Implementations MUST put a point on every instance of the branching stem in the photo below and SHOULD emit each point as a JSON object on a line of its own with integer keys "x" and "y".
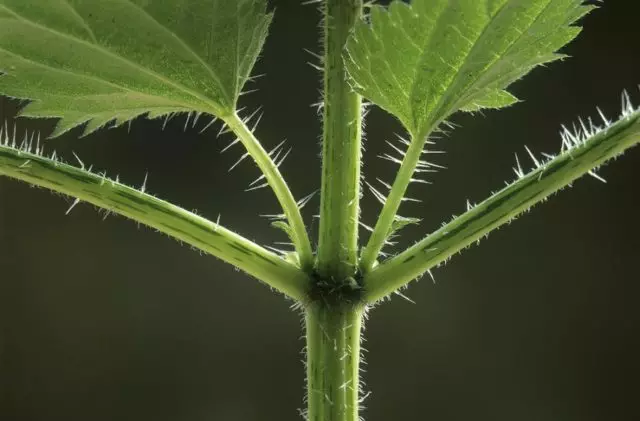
{"x": 576, "y": 160}
{"x": 167, "y": 218}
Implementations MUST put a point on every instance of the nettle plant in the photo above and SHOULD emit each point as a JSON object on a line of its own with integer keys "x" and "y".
{"x": 102, "y": 63}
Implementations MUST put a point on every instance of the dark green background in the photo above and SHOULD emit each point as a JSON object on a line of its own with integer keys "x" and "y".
{"x": 104, "y": 320}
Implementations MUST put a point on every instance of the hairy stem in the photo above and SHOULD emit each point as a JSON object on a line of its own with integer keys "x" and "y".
{"x": 339, "y": 208}
{"x": 146, "y": 209}
{"x": 394, "y": 200}
{"x": 333, "y": 359}
{"x": 281, "y": 189}
{"x": 579, "y": 156}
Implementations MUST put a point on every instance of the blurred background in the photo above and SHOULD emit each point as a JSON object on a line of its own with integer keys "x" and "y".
{"x": 104, "y": 320}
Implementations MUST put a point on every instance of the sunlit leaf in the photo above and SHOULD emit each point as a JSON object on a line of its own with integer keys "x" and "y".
{"x": 424, "y": 61}
{"x": 102, "y": 60}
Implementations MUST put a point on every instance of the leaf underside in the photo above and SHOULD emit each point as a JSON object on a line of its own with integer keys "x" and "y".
{"x": 423, "y": 62}
{"x": 99, "y": 61}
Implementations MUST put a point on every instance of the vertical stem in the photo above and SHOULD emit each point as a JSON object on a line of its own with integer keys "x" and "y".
{"x": 339, "y": 209}
{"x": 333, "y": 359}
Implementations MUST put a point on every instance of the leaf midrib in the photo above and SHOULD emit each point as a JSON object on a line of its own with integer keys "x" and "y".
{"x": 414, "y": 85}
{"x": 237, "y": 44}
{"x": 83, "y": 21}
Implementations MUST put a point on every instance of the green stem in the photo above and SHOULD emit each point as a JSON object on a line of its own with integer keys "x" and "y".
{"x": 394, "y": 200}
{"x": 333, "y": 359}
{"x": 273, "y": 176}
{"x": 340, "y": 197}
{"x": 165, "y": 217}
{"x": 574, "y": 162}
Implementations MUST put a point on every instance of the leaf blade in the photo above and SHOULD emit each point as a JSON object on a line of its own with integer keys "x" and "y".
{"x": 191, "y": 55}
{"x": 423, "y": 62}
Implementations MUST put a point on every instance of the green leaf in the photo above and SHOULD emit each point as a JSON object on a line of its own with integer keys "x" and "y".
{"x": 424, "y": 61}
{"x": 99, "y": 61}
{"x": 494, "y": 100}
{"x": 284, "y": 227}
{"x": 400, "y": 222}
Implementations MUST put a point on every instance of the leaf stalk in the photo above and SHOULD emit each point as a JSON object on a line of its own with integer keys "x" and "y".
{"x": 277, "y": 182}
{"x": 392, "y": 203}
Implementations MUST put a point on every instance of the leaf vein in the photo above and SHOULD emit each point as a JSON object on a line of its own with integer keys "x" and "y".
{"x": 82, "y": 20}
